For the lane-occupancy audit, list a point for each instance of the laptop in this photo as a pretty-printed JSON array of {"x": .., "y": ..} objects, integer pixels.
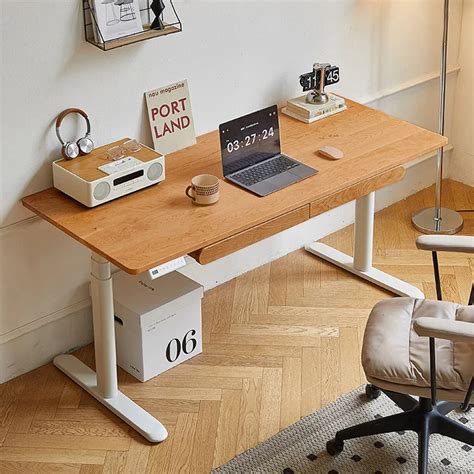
[{"x": 251, "y": 154}]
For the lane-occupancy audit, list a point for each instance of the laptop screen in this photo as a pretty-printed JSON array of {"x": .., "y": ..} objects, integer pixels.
[{"x": 250, "y": 139}]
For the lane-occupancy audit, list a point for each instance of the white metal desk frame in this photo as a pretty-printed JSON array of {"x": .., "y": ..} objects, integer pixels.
[
  {"x": 361, "y": 263},
  {"x": 103, "y": 386}
]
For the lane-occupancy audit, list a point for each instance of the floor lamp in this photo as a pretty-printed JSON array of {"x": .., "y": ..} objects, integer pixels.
[{"x": 440, "y": 220}]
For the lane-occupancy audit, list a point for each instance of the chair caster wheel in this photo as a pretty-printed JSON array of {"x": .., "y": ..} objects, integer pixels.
[
  {"x": 334, "y": 446},
  {"x": 372, "y": 392}
]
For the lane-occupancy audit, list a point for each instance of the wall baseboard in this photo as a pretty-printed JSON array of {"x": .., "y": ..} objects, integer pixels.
[
  {"x": 418, "y": 81},
  {"x": 39, "y": 346},
  {"x": 38, "y": 343},
  {"x": 38, "y": 323}
]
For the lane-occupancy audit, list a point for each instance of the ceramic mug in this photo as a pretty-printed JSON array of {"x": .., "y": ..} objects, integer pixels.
[{"x": 204, "y": 189}]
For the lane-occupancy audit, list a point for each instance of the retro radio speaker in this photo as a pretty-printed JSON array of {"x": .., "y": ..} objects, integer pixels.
[{"x": 95, "y": 178}]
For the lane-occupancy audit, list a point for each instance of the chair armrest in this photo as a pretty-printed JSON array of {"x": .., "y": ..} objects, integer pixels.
[
  {"x": 458, "y": 331},
  {"x": 446, "y": 243}
]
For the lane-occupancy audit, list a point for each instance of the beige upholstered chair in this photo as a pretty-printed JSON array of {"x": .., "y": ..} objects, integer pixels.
[{"x": 423, "y": 348}]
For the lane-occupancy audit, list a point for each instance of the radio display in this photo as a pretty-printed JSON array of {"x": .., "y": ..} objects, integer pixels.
[{"x": 128, "y": 177}]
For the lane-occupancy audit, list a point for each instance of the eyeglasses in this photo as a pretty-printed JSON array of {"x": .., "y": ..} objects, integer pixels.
[{"x": 120, "y": 151}]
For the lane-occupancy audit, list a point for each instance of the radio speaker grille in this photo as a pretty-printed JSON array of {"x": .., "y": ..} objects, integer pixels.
[
  {"x": 154, "y": 171},
  {"x": 101, "y": 191}
]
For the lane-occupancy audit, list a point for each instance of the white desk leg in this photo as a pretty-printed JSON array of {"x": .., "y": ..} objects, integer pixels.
[
  {"x": 361, "y": 264},
  {"x": 103, "y": 384}
]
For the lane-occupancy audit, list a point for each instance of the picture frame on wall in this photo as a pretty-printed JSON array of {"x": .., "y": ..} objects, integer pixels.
[{"x": 116, "y": 18}]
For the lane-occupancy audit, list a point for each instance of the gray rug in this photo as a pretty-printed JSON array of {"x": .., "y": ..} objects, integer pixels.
[{"x": 300, "y": 448}]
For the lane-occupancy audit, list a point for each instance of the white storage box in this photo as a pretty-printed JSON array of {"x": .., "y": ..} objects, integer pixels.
[{"x": 157, "y": 323}]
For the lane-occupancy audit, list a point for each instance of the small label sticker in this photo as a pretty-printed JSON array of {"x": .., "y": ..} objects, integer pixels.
[{"x": 118, "y": 166}]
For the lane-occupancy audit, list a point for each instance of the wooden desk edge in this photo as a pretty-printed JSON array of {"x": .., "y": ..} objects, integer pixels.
[
  {"x": 296, "y": 216},
  {"x": 131, "y": 271},
  {"x": 355, "y": 191},
  {"x": 240, "y": 239},
  {"x": 259, "y": 232}
]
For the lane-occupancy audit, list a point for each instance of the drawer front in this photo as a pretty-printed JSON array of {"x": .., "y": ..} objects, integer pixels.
[
  {"x": 248, "y": 237},
  {"x": 356, "y": 191}
]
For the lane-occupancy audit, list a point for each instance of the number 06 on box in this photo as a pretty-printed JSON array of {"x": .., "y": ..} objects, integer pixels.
[{"x": 157, "y": 322}]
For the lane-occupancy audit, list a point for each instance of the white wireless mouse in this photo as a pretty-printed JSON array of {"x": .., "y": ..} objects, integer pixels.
[{"x": 331, "y": 152}]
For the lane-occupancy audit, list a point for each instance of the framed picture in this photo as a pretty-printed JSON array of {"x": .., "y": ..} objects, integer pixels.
[{"x": 117, "y": 18}]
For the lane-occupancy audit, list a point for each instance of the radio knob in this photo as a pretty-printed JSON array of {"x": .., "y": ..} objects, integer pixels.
[
  {"x": 154, "y": 171},
  {"x": 101, "y": 191}
]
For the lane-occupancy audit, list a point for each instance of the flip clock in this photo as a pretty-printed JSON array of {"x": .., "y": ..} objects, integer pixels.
[{"x": 322, "y": 75}]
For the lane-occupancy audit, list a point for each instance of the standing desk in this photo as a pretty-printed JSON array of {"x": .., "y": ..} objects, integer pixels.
[{"x": 160, "y": 223}]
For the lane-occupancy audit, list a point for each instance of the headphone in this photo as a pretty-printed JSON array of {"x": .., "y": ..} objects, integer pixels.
[{"x": 83, "y": 146}]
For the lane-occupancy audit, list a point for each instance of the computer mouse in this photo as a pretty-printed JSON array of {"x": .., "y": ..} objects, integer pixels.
[{"x": 331, "y": 152}]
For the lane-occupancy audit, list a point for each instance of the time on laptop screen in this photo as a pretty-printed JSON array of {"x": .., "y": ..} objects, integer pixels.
[{"x": 250, "y": 139}]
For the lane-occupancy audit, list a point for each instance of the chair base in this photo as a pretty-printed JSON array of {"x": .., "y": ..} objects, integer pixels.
[{"x": 420, "y": 416}]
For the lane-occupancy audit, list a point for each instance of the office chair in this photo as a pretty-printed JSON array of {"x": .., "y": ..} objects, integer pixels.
[{"x": 423, "y": 348}]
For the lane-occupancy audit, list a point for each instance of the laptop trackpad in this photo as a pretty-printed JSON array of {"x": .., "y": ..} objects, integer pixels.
[
  {"x": 284, "y": 179},
  {"x": 274, "y": 183},
  {"x": 263, "y": 187}
]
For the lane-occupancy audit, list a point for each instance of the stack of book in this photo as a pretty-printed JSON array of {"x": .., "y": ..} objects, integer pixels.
[{"x": 299, "y": 109}]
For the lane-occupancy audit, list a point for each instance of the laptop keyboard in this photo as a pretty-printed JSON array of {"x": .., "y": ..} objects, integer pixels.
[
  {"x": 266, "y": 170},
  {"x": 246, "y": 162}
]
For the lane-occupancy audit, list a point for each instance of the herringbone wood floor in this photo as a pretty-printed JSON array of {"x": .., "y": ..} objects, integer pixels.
[{"x": 280, "y": 342}]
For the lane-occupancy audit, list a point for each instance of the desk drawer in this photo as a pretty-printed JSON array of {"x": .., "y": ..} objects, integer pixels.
[
  {"x": 248, "y": 237},
  {"x": 356, "y": 191}
]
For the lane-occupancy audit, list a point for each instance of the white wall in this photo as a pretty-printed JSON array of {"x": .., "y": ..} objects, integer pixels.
[
  {"x": 237, "y": 57},
  {"x": 462, "y": 163}
]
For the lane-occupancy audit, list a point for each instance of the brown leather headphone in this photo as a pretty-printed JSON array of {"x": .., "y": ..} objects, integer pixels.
[{"x": 83, "y": 146}]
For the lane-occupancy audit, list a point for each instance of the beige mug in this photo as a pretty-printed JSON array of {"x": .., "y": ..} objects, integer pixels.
[{"x": 204, "y": 189}]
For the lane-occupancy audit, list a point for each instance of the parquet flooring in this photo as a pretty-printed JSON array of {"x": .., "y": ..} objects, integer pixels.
[{"x": 279, "y": 342}]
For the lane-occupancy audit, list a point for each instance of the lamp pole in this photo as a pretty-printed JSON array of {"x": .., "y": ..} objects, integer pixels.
[{"x": 440, "y": 220}]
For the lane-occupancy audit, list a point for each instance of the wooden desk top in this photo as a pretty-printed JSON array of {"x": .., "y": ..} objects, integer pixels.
[{"x": 158, "y": 224}]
